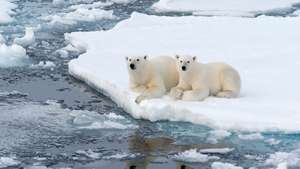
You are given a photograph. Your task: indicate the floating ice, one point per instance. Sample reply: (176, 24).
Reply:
(246, 8)
(220, 165)
(217, 150)
(266, 103)
(253, 136)
(216, 135)
(6, 10)
(80, 15)
(8, 162)
(13, 55)
(2, 40)
(89, 153)
(272, 141)
(92, 5)
(194, 156)
(27, 39)
(281, 159)
(120, 156)
(44, 64)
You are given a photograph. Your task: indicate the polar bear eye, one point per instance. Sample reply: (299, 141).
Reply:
(181, 61)
(129, 60)
(138, 60)
(188, 61)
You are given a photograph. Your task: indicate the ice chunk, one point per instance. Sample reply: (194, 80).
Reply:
(13, 55)
(282, 159)
(89, 153)
(120, 156)
(194, 156)
(253, 136)
(121, 1)
(58, 2)
(272, 141)
(249, 44)
(217, 150)
(216, 135)
(219, 7)
(80, 15)
(6, 10)
(93, 5)
(220, 165)
(27, 39)
(44, 64)
(109, 125)
(8, 162)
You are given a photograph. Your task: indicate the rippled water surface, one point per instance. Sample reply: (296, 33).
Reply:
(50, 120)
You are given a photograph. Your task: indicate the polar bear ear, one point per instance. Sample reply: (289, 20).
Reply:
(146, 57)
(177, 56)
(194, 58)
(126, 58)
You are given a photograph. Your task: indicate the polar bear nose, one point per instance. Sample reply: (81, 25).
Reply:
(132, 66)
(183, 68)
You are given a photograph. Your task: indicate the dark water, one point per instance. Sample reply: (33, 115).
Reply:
(50, 120)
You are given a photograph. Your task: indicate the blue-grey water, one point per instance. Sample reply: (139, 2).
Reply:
(50, 120)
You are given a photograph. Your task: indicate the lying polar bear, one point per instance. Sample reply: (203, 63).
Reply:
(197, 81)
(151, 77)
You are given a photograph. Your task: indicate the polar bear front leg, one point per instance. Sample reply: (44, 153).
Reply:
(177, 92)
(138, 88)
(156, 88)
(195, 95)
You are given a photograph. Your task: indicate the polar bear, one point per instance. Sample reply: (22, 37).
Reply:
(198, 81)
(151, 77)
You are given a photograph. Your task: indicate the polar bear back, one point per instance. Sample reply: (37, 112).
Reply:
(165, 66)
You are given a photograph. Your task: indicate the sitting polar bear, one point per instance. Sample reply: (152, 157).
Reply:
(197, 81)
(152, 78)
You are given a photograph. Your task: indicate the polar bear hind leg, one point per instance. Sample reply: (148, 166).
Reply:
(231, 84)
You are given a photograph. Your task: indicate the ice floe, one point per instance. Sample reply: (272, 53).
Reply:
(8, 162)
(194, 156)
(12, 55)
(281, 159)
(44, 64)
(216, 135)
(265, 50)
(80, 15)
(216, 150)
(28, 39)
(247, 8)
(253, 136)
(220, 165)
(6, 11)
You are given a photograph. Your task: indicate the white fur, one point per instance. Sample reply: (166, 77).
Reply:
(199, 80)
(152, 77)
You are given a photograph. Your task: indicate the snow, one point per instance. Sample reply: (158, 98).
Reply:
(80, 15)
(194, 156)
(253, 136)
(220, 165)
(6, 10)
(28, 39)
(246, 8)
(265, 50)
(13, 55)
(8, 162)
(217, 150)
(284, 159)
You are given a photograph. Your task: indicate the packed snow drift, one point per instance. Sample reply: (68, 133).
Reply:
(265, 50)
(248, 8)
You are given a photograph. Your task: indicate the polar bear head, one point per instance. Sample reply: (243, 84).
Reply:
(185, 63)
(136, 63)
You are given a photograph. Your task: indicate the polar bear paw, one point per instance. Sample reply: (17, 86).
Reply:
(140, 98)
(176, 93)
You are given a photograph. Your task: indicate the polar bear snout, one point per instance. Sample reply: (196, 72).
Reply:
(132, 66)
(183, 68)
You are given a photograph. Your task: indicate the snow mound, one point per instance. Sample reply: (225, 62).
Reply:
(220, 165)
(194, 156)
(216, 135)
(13, 55)
(27, 39)
(6, 10)
(247, 8)
(265, 50)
